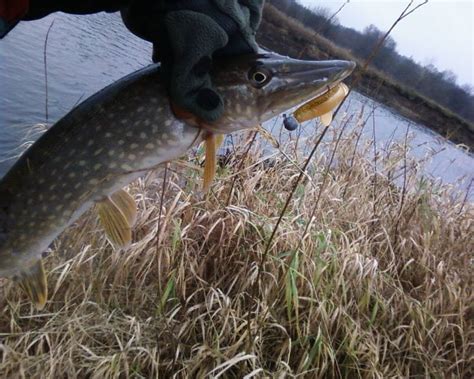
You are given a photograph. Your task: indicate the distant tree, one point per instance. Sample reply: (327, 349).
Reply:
(440, 86)
(468, 89)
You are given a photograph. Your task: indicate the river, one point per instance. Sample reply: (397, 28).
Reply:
(86, 53)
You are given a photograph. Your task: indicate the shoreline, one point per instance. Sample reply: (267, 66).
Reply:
(295, 40)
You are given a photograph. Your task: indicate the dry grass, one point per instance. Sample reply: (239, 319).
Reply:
(379, 286)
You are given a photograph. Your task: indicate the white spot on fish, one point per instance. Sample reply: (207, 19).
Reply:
(90, 142)
(72, 175)
(113, 165)
(111, 152)
(59, 207)
(68, 195)
(129, 134)
(134, 145)
(168, 122)
(82, 163)
(132, 157)
(98, 151)
(143, 135)
(121, 142)
(140, 109)
(93, 182)
(149, 146)
(126, 167)
(108, 135)
(97, 166)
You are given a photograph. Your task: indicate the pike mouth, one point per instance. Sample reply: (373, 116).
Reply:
(326, 73)
(299, 81)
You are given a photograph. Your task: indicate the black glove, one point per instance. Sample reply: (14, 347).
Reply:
(186, 35)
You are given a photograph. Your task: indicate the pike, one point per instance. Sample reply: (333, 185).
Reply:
(121, 132)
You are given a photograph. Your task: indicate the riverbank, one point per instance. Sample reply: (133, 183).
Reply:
(287, 36)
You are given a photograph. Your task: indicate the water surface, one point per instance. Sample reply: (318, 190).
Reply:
(86, 53)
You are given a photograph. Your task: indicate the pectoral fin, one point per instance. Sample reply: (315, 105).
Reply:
(212, 144)
(326, 118)
(33, 281)
(117, 214)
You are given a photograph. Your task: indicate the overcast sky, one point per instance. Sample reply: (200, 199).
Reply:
(440, 32)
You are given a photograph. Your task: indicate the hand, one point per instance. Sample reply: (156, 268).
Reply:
(186, 35)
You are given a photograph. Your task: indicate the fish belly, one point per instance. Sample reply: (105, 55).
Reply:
(64, 177)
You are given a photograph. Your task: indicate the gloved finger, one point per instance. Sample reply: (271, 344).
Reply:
(195, 38)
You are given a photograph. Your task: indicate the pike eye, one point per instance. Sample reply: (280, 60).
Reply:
(259, 77)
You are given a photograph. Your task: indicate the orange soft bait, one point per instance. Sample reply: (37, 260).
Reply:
(322, 106)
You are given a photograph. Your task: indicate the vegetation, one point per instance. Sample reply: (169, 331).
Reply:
(439, 86)
(363, 279)
(420, 93)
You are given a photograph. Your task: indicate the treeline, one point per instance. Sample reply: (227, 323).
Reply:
(440, 86)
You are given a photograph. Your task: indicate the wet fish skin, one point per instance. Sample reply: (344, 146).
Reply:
(125, 130)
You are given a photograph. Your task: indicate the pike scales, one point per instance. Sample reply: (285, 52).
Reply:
(119, 133)
(95, 150)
